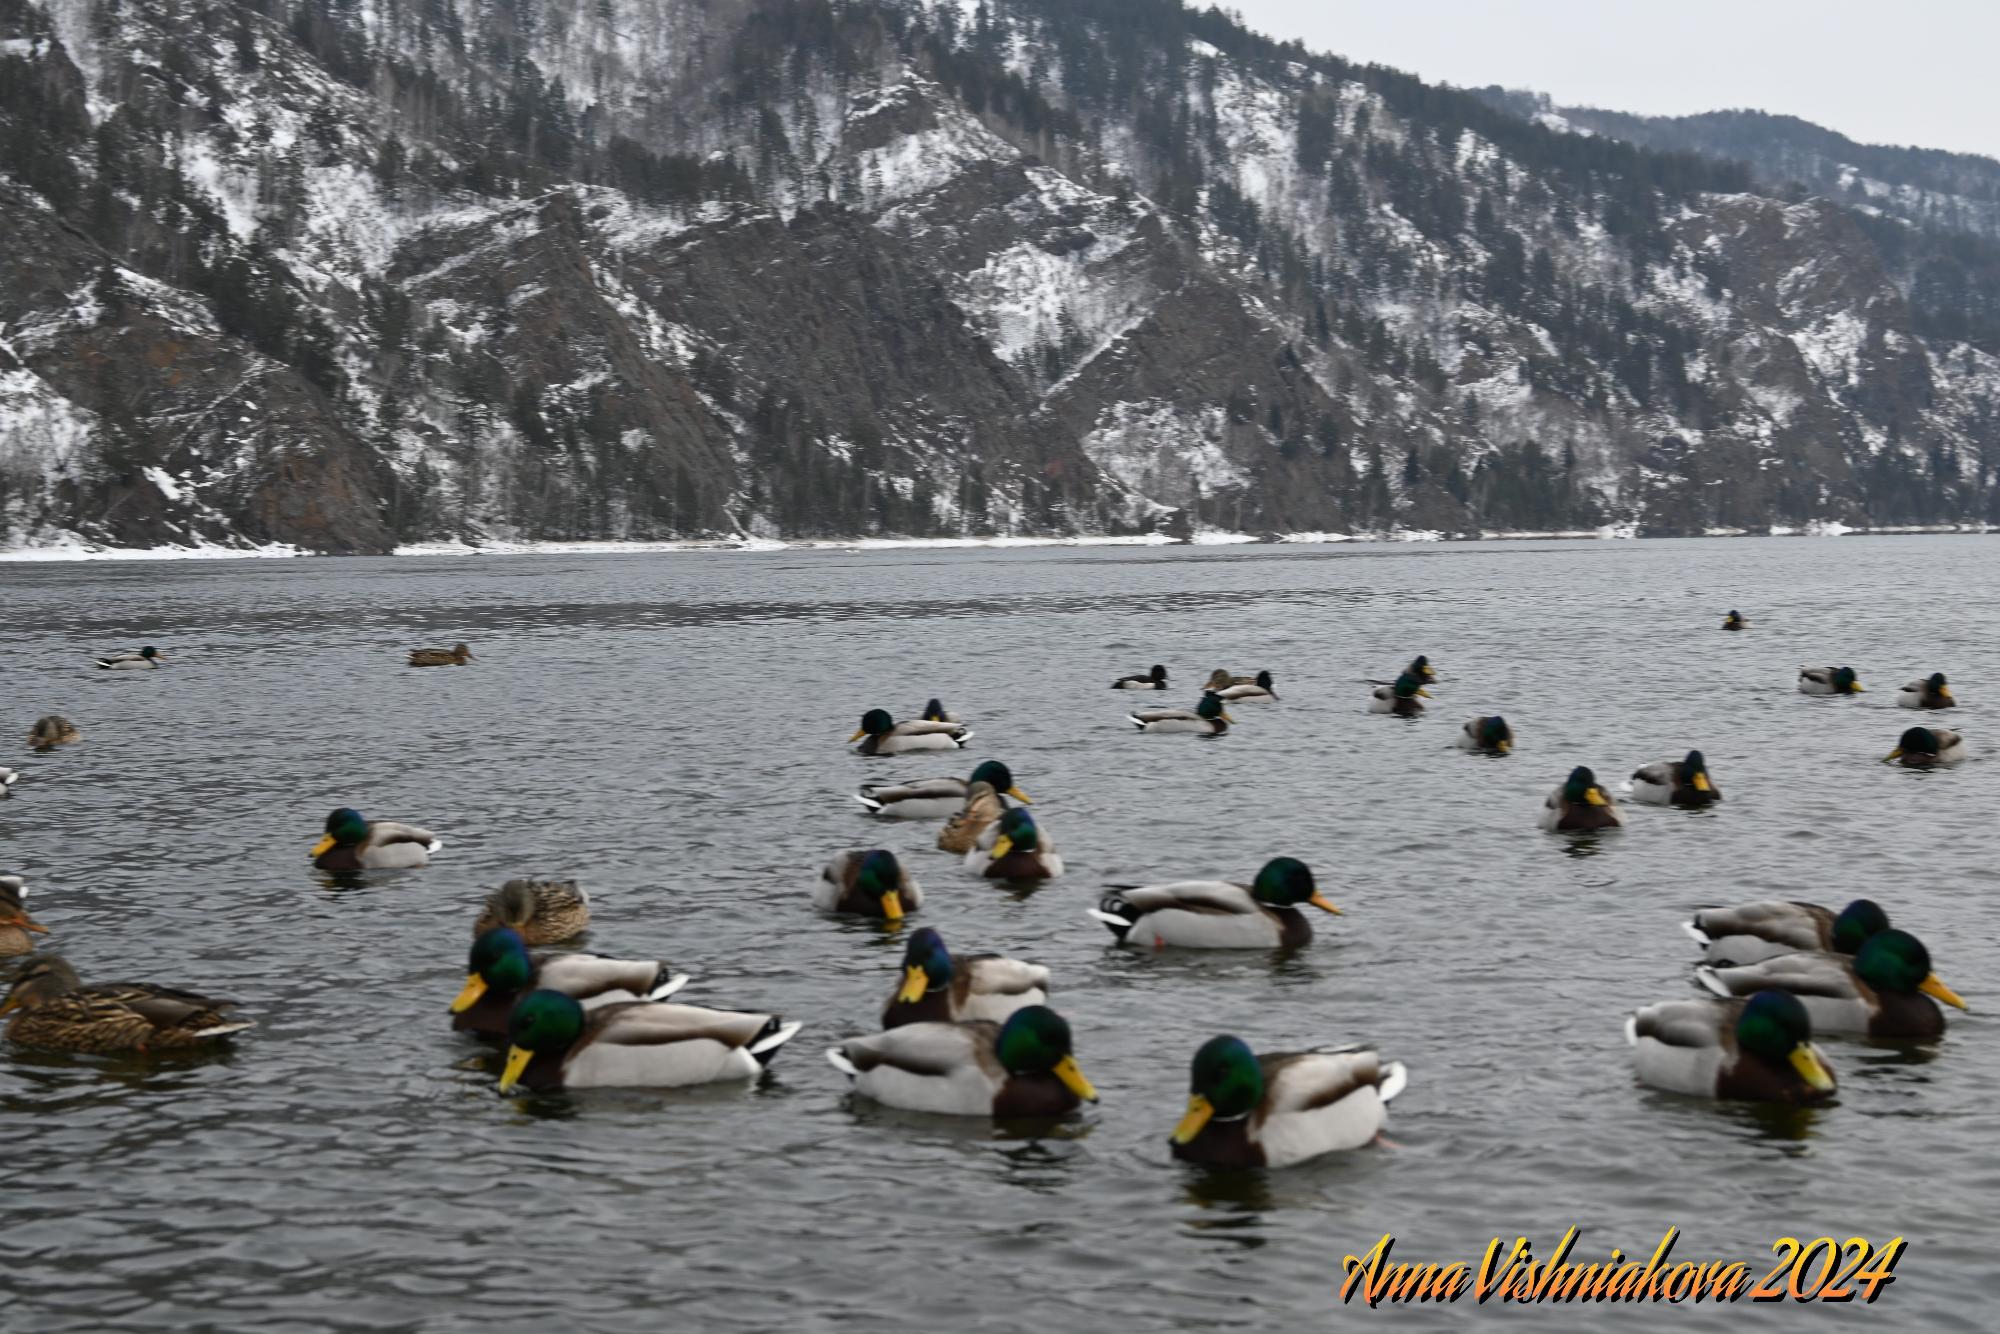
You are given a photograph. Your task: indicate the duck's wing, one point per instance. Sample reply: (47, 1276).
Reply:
(162, 1007)
(656, 1023)
(918, 727)
(384, 832)
(1219, 897)
(1802, 926)
(1144, 716)
(924, 789)
(588, 976)
(1806, 973)
(936, 1050)
(1305, 1080)
(997, 975)
(1656, 775)
(1694, 1025)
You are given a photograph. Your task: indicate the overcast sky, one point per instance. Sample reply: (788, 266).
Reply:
(1881, 71)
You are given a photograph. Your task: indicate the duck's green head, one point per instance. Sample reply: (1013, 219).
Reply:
(1035, 1041)
(880, 877)
(1016, 832)
(1734, 618)
(1857, 922)
(1227, 1083)
(1211, 707)
(1495, 735)
(149, 652)
(1000, 778)
(875, 722)
(1407, 686)
(1581, 788)
(926, 966)
(1774, 1026)
(499, 964)
(1914, 741)
(1694, 771)
(1845, 682)
(1286, 882)
(1420, 668)
(1264, 681)
(1939, 684)
(935, 712)
(343, 827)
(545, 1023)
(1897, 961)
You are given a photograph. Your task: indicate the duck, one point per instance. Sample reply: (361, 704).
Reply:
(936, 798)
(1400, 698)
(146, 659)
(1752, 932)
(1676, 783)
(1218, 914)
(52, 731)
(880, 734)
(1153, 680)
(1886, 990)
(1222, 679)
(502, 969)
(1207, 718)
(353, 842)
(1932, 692)
(17, 928)
(52, 1008)
(1022, 1067)
(1829, 681)
(1489, 736)
(1758, 1049)
(936, 712)
(1420, 669)
(1255, 691)
(1580, 804)
(1927, 748)
(1283, 1108)
(543, 911)
(554, 1043)
(868, 884)
(455, 656)
(8, 777)
(1734, 621)
(1014, 848)
(938, 987)
(964, 832)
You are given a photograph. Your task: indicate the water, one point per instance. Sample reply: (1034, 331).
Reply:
(669, 728)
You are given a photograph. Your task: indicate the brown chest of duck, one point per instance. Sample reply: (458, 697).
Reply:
(1580, 804)
(1042, 1078)
(938, 987)
(1019, 850)
(1403, 698)
(1769, 1056)
(1893, 970)
(52, 1008)
(17, 929)
(543, 911)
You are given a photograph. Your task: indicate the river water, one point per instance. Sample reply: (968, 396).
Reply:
(668, 728)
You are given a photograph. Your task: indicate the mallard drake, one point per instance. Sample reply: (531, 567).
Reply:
(870, 884)
(1256, 691)
(1401, 698)
(1760, 1049)
(501, 970)
(1580, 804)
(1884, 991)
(1829, 681)
(1489, 736)
(1014, 848)
(938, 988)
(1932, 692)
(936, 712)
(1153, 680)
(1206, 718)
(1753, 932)
(15, 924)
(554, 1044)
(52, 731)
(1246, 1110)
(1734, 621)
(543, 911)
(935, 798)
(145, 660)
(1020, 1068)
(455, 656)
(353, 842)
(1927, 748)
(8, 777)
(879, 734)
(1420, 669)
(1676, 783)
(1218, 914)
(53, 1009)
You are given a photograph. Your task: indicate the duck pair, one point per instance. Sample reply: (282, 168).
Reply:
(881, 734)
(1581, 803)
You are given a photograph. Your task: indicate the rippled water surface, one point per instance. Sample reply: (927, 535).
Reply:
(668, 729)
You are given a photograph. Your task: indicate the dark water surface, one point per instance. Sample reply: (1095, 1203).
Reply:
(668, 728)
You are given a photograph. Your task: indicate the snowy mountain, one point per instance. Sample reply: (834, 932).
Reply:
(348, 274)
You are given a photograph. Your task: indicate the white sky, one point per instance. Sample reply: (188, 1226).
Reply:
(1880, 71)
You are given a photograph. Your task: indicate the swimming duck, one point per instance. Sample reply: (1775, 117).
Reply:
(1255, 691)
(1246, 1110)
(935, 798)
(455, 656)
(553, 1043)
(1760, 1049)
(52, 731)
(1207, 718)
(1218, 914)
(936, 712)
(15, 924)
(53, 1008)
(1884, 991)
(870, 884)
(145, 660)
(1927, 748)
(353, 843)
(1932, 692)
(1020, 1068)
(543, 911)
(940, 988)
(1580, 804)
(880, 734)
(1753, 932)
(1420, 669)
(964, 831)
(501, 970)
(1671, 783)
(1400, 698)
(1014, 848)
(8, 777)
(1489, 736)
(1153, 680)
(1222, 679)
(1734, 621)
(1828, 681)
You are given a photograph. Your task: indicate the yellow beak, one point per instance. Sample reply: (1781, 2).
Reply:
(517, 1061)
(1805, 1059)
(1425, 693)
(1503, 746)
(915, 983)
(1701, 783)
(1072, 1077)
(1857, 689)
(1320, 901)
(1227, 719)
(13, 1004)
(1198, 1113)
(857, 736)
(1002, 846)
(1430, 674)
(1930, 986)
(1895, 754)
(25, 923)
(1595, 797)
(1020, 796)
(1944, 692)
(892, 906)
(325, 842)
(475, 987)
